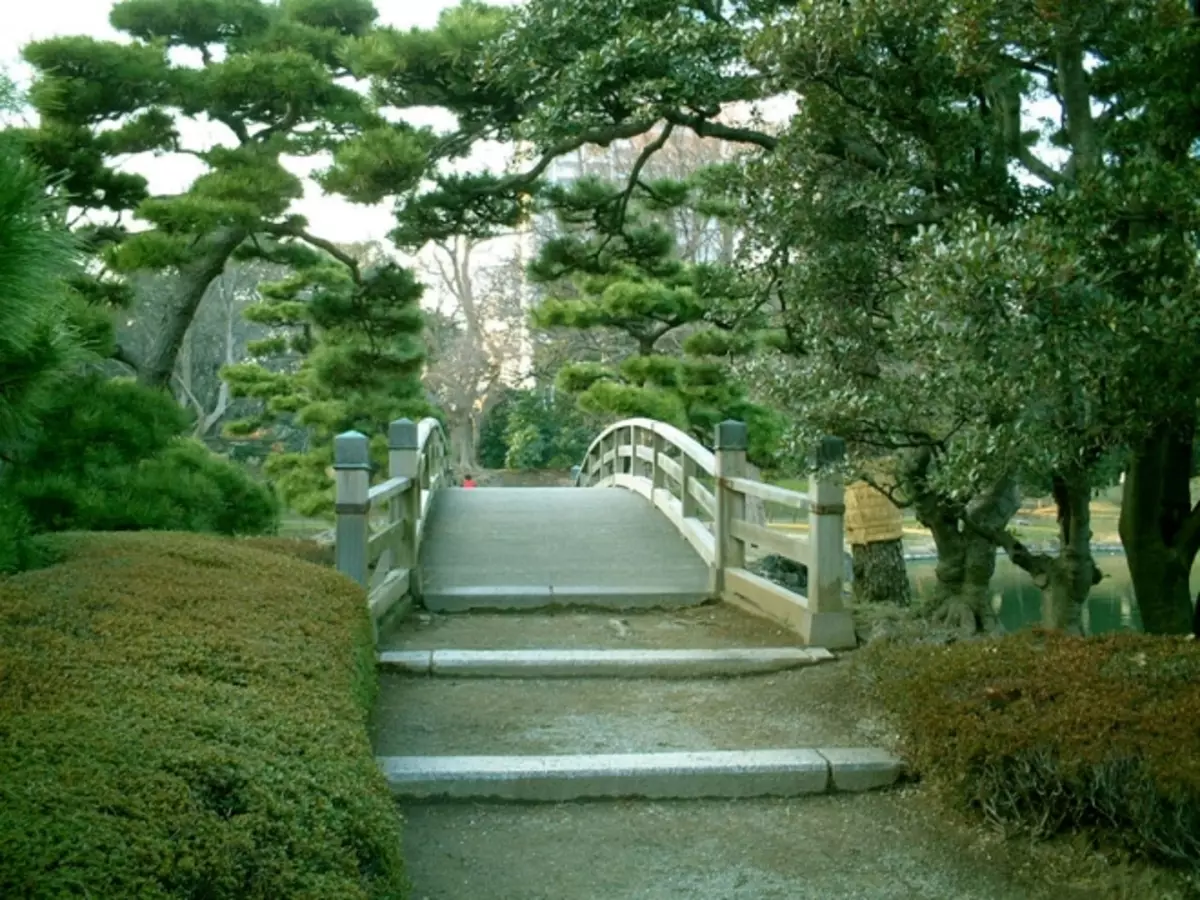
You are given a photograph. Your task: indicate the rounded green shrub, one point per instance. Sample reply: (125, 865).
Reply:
(185, 716)
(110, 456)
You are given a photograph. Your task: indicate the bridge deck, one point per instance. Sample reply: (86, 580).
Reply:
(523, 547)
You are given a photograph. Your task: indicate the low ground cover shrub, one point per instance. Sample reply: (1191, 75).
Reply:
(184, 716)
(306, 549)
(1045, 734)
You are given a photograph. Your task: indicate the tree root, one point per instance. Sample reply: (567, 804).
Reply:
(959, 616)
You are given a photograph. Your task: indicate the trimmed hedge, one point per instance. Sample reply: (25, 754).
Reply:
(1044, 733)
(185, 716)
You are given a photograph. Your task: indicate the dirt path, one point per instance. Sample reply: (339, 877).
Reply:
(878, 845)
(860, 847)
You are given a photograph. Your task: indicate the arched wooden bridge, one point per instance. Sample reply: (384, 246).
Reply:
(655, 521)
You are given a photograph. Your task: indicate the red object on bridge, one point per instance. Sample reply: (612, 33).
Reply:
(469, 482)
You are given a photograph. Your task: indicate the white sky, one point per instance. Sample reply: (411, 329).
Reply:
(331, 217)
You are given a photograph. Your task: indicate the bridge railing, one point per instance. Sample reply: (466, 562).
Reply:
(704, 493)
(380, 527)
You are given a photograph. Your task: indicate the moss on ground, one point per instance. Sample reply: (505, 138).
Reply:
(185, 716)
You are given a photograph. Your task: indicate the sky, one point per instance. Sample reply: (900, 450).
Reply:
(331, 217)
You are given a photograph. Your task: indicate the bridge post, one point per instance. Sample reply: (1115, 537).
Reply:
(730, 457)
(352, 506)
(404, 461)
(688, 505)
(826, 528)
(658, 477)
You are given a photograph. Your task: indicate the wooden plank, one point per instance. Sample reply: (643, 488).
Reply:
(770, 493)
(385, 595)
(634, 483)
(765, 598)
(670, 507)
(701, 538)
(384, 538)
(383, 567)
(386, 490)
(672, 469)
(703, 496)
(693, 530)
(786, 545)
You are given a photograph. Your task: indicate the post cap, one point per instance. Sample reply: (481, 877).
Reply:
(731, 435)
(402, 435)
(828, 451)
(351, 450)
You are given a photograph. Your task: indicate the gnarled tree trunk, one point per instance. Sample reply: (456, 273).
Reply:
(1067, 578)
(212, 253)
(1160, 529)
(966, 556)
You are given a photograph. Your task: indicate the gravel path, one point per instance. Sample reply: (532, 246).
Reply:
(879, 846)
(860, 847)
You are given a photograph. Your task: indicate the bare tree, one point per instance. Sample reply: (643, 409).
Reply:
(477, 338)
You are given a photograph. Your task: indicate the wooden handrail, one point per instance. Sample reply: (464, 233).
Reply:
(380, 528)
(684, 442)
(674, 471)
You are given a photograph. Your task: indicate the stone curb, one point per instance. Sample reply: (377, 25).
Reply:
(602, 663)
(677, 775)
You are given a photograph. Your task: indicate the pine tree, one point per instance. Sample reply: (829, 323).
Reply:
(347, 352)
(269, 75)
(616, 266)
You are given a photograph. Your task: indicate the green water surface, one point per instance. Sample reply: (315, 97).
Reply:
(1110, 607)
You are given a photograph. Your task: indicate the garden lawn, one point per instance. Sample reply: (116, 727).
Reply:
(1047, 734)
(185, 716)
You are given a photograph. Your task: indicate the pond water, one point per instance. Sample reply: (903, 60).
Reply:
(1018, 602)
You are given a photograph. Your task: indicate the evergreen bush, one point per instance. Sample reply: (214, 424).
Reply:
(184, 716)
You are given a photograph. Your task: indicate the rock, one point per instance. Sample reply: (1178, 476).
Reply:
(620, 627)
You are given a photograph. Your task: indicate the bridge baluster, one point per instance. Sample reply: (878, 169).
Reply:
(826, 527)
(352, 479)
(404, 461)
(729, 552)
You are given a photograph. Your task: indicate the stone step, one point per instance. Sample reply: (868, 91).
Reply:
(462, 716)
(601, 663)
(711, 625)
(457, 599)
(695, 775)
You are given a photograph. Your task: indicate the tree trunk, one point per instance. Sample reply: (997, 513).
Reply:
(1067, 578)
(880, 575)
(1160, 530)
(966, 556)
(462, 439)
(194, 278)
(1073, 572)
(965, 565)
